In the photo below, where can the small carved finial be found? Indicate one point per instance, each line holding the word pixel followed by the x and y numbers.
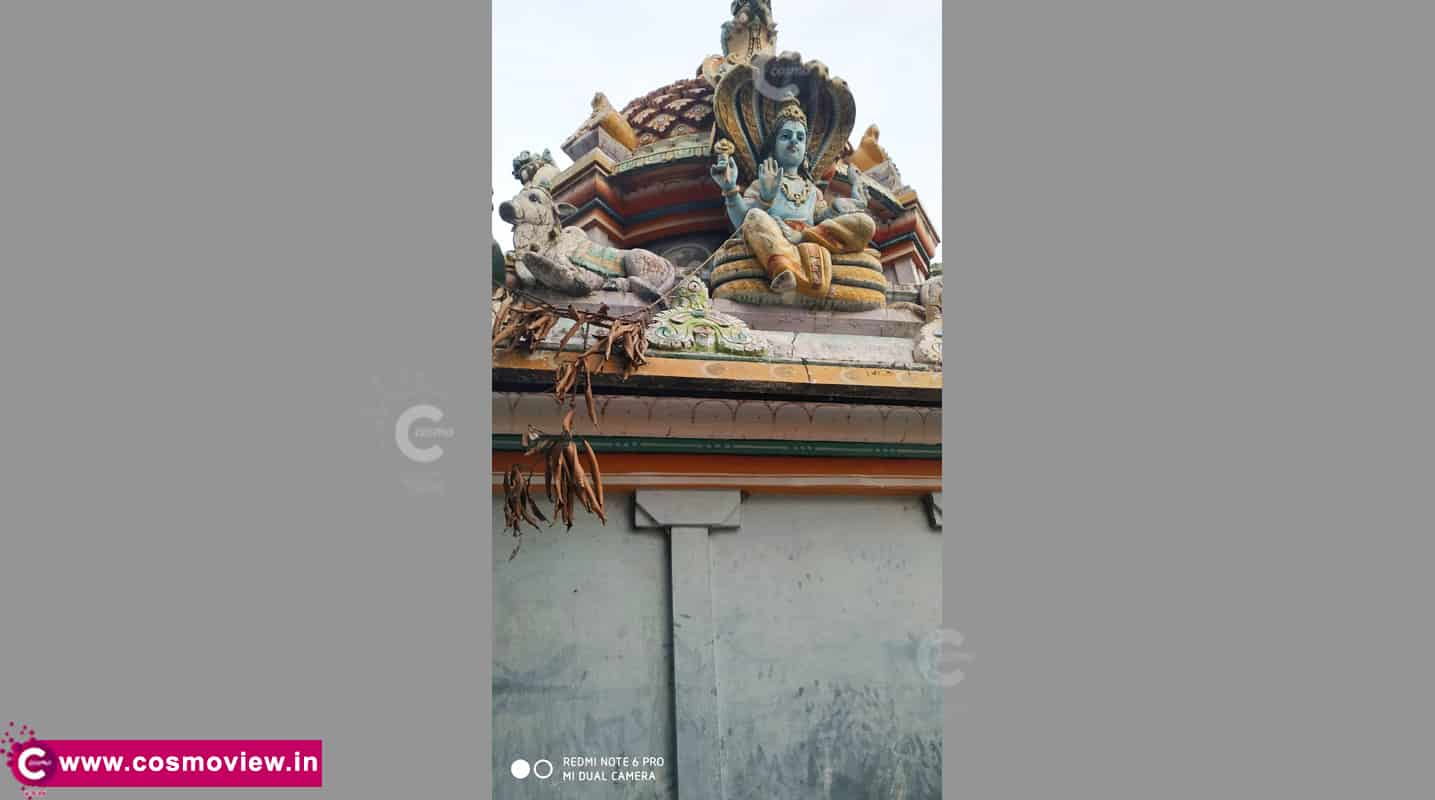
pixel 752 12
pixel 750 31
pixel 724 147
pixel 606 117
pixel 869 153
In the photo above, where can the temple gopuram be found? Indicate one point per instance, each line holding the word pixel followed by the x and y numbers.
pixel 755 612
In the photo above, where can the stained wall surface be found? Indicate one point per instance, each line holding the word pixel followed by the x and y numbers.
pixel 820 606
pixel 582 655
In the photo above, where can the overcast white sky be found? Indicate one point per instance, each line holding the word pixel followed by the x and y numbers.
pixel 550 56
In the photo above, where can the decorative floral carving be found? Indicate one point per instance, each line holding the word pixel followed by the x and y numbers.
pixel 928 347
pixel 691 324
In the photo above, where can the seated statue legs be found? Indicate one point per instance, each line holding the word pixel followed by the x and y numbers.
pixel 778 245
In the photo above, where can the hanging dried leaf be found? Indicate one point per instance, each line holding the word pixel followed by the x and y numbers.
pixel 588 394
pixel 538 512
pixel 550 466
pixel 523 320
pixel 597 473
pixel 502 312
pixel 522 324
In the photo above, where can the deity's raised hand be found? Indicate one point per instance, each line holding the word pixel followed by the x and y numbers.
pixel 724 173
pixel 859 186
pixel 769 175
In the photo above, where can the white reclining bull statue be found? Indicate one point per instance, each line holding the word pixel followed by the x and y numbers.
pixel 565 259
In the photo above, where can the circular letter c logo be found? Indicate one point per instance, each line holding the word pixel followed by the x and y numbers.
pixel 403 433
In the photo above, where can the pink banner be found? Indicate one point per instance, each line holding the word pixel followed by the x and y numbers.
pixel 164 763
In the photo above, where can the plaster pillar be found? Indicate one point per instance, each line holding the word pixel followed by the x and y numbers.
pixel 689 516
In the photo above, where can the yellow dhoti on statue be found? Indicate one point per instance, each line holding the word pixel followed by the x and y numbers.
pixel 808 259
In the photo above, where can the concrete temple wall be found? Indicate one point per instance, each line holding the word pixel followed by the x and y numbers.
pixel 582 662
pixel 792 624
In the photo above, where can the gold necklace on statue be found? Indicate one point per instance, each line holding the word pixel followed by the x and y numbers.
pixel 797 198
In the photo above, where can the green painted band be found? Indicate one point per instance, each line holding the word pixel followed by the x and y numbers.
pixel 597 271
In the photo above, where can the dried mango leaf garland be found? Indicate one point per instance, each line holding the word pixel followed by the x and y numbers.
pixel 571 474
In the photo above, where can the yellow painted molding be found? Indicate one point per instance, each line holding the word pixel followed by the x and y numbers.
pixel 745 371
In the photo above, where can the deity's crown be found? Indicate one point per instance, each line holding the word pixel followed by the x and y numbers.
pixel 791 109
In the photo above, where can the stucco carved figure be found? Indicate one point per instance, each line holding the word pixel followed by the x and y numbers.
pixel 790 231
pixel 607 118
pixel 564 258
pixel 876 164
pixel 869 153
pixel 535 169
pixel 927 348
pixel 691 324
pixel 750 31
